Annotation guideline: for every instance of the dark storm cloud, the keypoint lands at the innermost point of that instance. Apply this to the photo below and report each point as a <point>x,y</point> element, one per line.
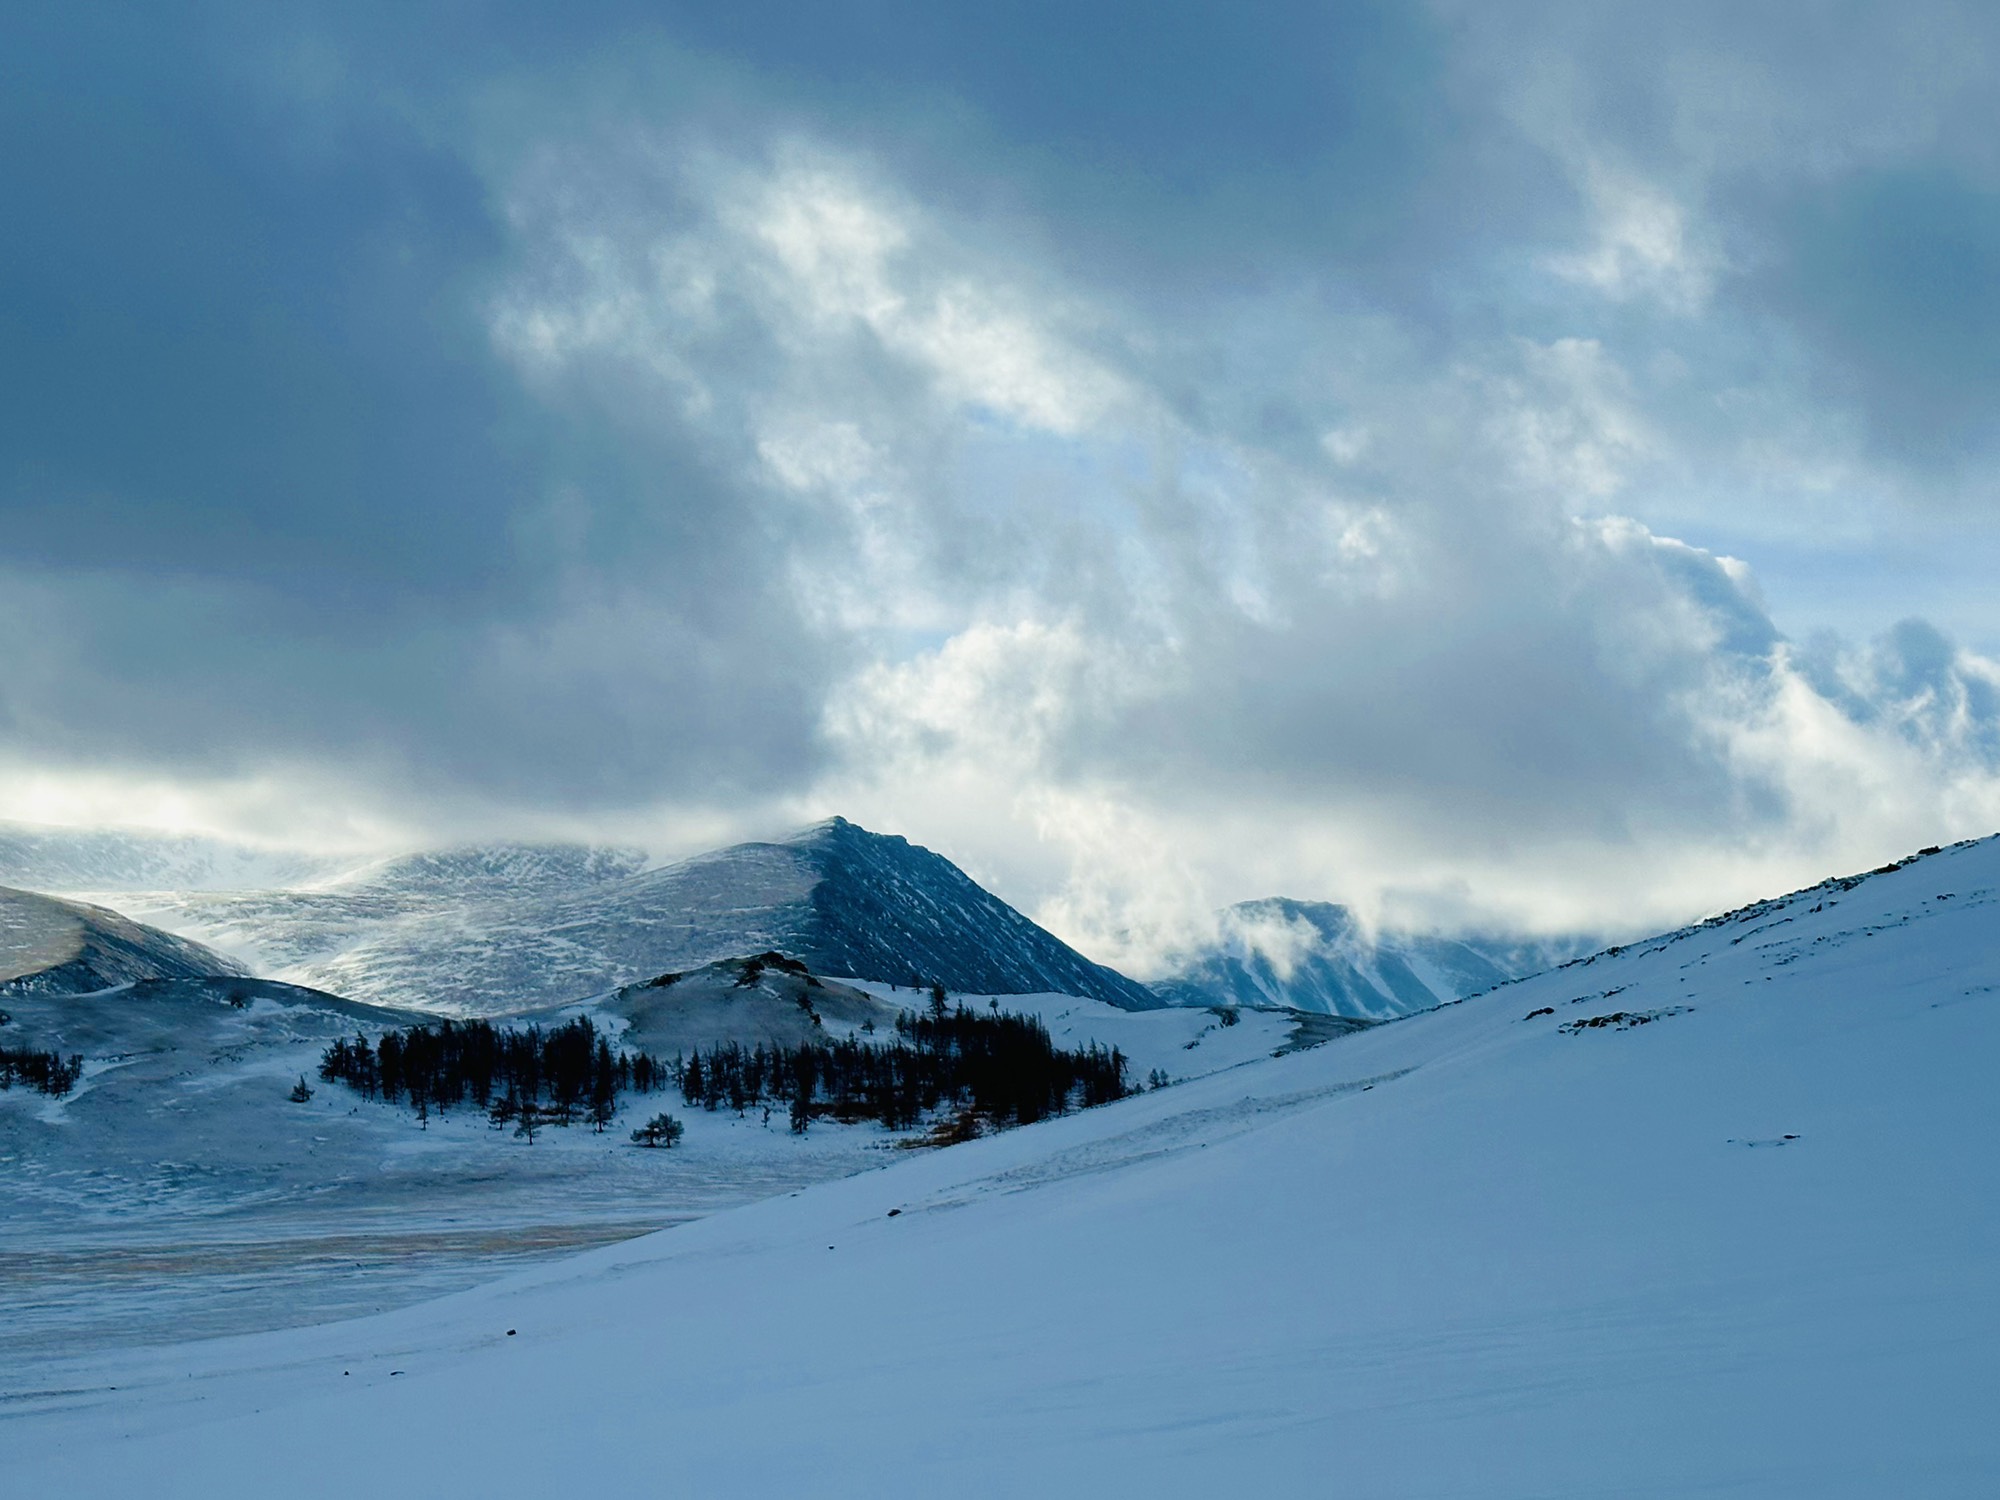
<point>270,489</point>
<point>1160,135</point>
<point>237,344</point>
<point>1893,279</point>
<point>651,405</point>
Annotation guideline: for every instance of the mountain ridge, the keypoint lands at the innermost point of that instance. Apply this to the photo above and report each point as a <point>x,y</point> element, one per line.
<point>1317,956</point>
<point>451,933</point>
<point>53,946</point>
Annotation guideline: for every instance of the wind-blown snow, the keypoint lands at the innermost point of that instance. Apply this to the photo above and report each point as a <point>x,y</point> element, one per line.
<point>82,861</point>
<point>1736,1236</point>
<point>1315,956</point>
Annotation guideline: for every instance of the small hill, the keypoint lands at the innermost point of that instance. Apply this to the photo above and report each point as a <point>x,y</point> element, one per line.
<point>767,1000</point>
<point>49,946</point>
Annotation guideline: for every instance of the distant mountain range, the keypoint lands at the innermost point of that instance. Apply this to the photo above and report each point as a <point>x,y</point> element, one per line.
<point>1315,956</point>
<point>512,927</point>
<point>503,927</point>
<point>72,861</point>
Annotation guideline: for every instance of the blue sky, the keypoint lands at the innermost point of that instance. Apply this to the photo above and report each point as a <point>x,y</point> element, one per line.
<point>1528,465</point>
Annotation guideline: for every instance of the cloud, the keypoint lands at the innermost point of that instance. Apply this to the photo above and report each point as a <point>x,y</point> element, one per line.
<point>1342,451</point>
<point>1640,244</point>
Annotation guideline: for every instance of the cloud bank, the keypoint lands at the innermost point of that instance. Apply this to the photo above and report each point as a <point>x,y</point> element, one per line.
<point>1534,474</point>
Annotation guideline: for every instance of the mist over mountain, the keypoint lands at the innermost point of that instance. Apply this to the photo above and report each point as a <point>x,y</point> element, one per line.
<point>488,928</point>
<point>1316,956</point>
<point>495,929</point>
<point>69,861</point>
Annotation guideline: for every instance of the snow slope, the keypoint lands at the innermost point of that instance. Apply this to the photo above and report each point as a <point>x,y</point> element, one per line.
<point>81,861</point>
<point>409,929</point>
<point>746,1002</point>
<point>846,901</point>
<point>1315,956</point>
<point>1714,1214</point>
<point>182,1149</point>
<point>52,947</point>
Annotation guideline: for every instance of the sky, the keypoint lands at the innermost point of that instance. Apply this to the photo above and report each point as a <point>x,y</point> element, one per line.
<point>1526,467</point>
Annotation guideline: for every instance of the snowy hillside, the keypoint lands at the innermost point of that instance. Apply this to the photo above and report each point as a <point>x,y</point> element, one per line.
<point>748,1002</point>
<point>1711,1214</point>
<point>182,1144</point>
<point>54,947</point>
<point>490,931</point>
<point>1315,956</point>
<point>491,870</point>
<point>83,861</point>
<point>181,1148</point>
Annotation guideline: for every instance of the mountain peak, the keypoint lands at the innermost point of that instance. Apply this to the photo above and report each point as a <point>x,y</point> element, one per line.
<point>877,906</point>
<point>501,928</point>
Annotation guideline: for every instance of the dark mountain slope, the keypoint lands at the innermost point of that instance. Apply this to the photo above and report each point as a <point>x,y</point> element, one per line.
<point>49,946</point>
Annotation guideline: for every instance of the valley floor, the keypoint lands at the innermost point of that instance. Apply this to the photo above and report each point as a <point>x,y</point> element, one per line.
<point>178,1194</point>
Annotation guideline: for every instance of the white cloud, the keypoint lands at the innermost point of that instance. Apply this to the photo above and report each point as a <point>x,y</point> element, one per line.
<point>1567,423</point>
<point>1642,243</point>
<point>1403,675</point>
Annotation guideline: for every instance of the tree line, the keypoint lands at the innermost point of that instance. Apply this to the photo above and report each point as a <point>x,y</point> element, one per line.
<point>527,1077</point>
<point>1002,1067</point>
<point>50,1072</point>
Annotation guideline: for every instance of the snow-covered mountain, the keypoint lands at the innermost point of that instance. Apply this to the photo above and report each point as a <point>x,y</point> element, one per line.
<point>81,861</point>
<point>49,946</point>
<point>1315,956</point>
<point>490,931</point>
<point>1707,1214</point>
<point>505,870</point>
<point>852,903</point>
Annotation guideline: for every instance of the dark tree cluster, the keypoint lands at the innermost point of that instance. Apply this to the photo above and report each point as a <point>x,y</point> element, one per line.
<point>50,1072</point>
<point>661,1130</point>
<point>753,970</point>
<point>527,1078</point>
<point>1001,1067</point>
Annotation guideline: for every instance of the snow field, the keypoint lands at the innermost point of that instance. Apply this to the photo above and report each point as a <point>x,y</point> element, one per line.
<point>1463,1254</point>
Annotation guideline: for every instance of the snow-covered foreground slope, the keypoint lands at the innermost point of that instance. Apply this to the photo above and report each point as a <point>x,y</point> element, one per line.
<point>1736,1235</point>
